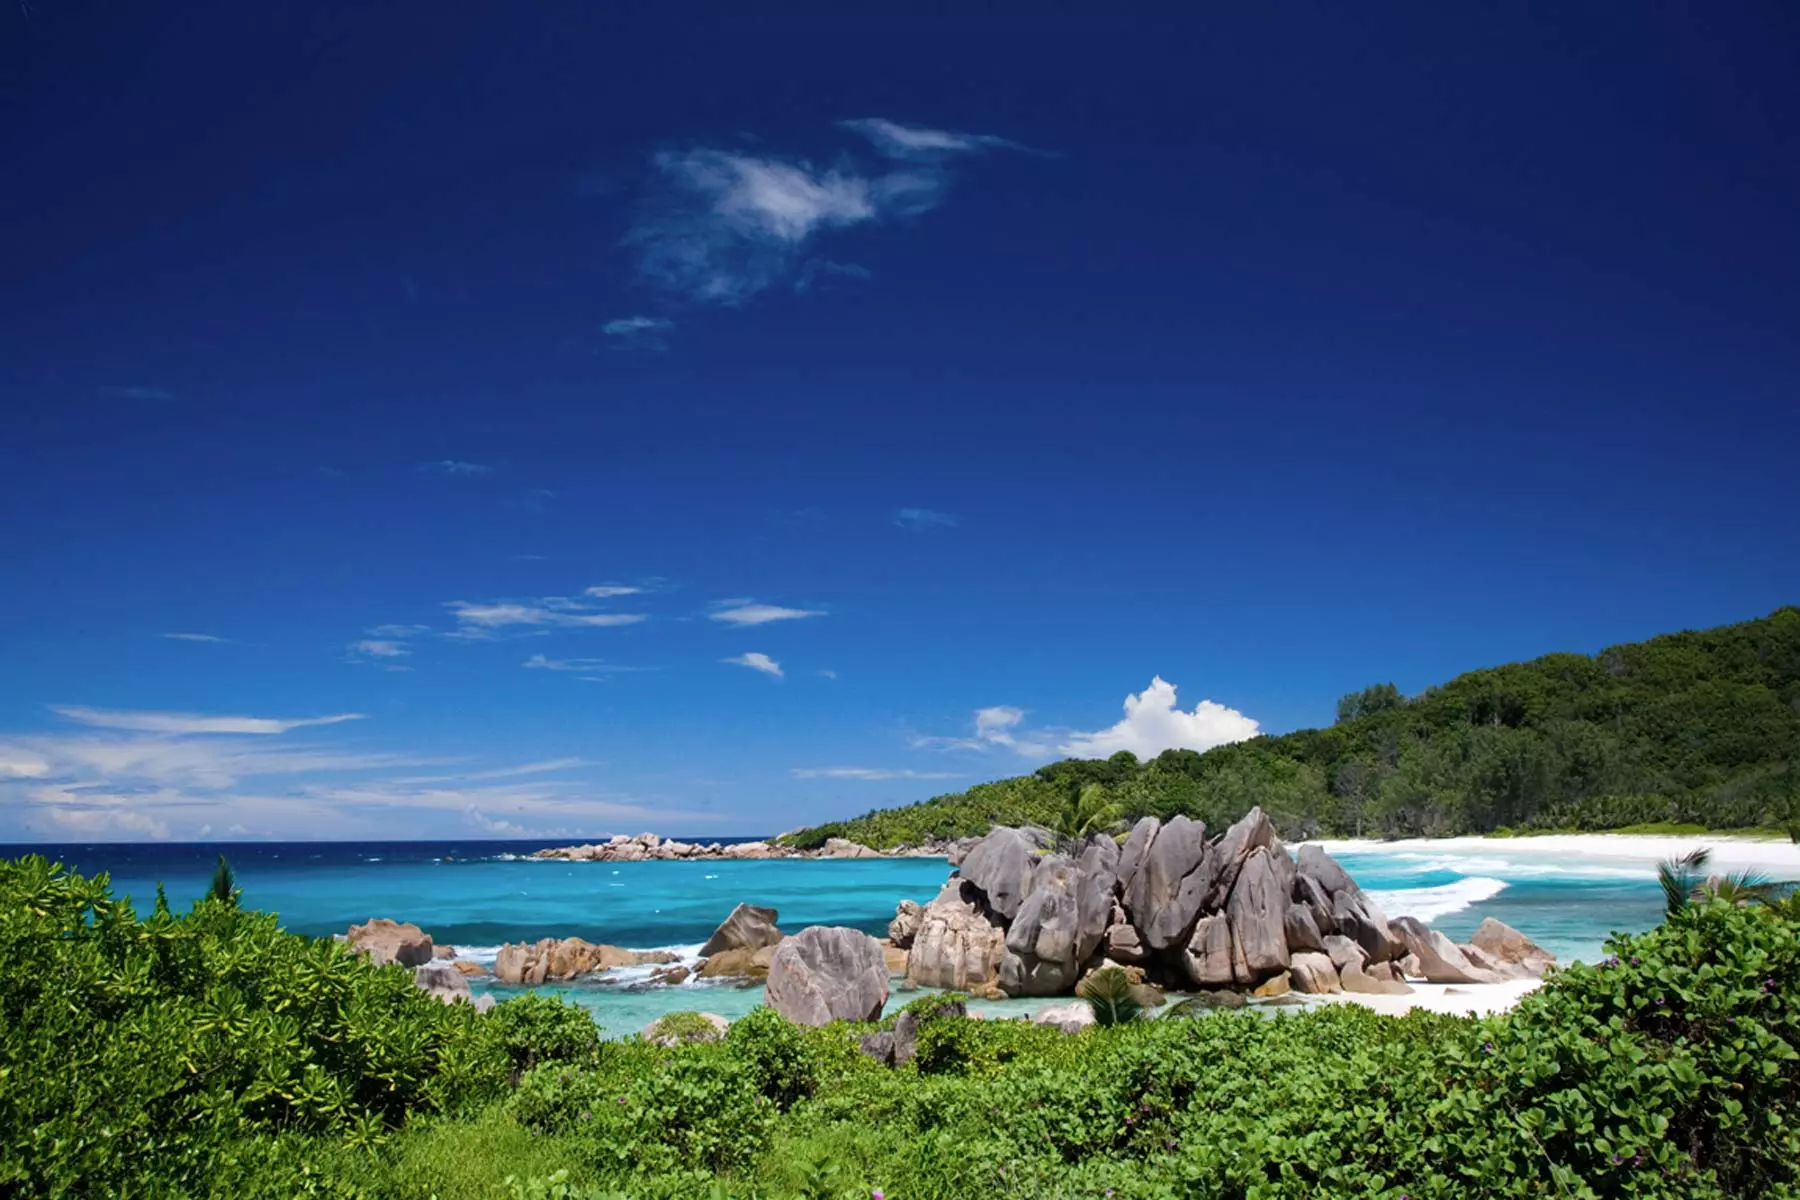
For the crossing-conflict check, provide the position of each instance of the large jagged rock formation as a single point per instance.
(827, 973)
(1234, 912)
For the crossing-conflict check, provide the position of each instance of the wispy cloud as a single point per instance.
(550, 612)
(186, 723)
(924, 518)
(193, 637)
(912, 143)
(868, 774)
(756, 662)
(137, 392)
(592, 666)
(158, 775)
(723, 225)
(643, 333)
(451, 466)
(827, 673)
(607, 591)
(379, 648)
(746, 612)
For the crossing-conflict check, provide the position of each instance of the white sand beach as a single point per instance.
(1778, 859)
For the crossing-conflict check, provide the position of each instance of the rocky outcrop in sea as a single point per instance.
(1025, 916)
(651, 847)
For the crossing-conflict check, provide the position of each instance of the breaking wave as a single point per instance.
(1430, 903)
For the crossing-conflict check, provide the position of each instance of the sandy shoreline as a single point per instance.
(1778, 859)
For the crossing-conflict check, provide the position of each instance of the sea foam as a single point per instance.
(1430, 903)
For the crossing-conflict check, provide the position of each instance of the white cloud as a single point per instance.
(725, 225)
(379, 648)
(22, 764)
(193, 637)
(649, 333)
(451, 466)
(156, 775)
(540, 662)
(756, 662)
(185, 723)
(868, 774)
(827, 673)
(551, 611)
(1154, 722)
(607, 591)
(744, 612)
(924, 518)
(398, 631)
(912, 142)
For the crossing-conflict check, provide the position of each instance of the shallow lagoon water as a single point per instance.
(478, 895)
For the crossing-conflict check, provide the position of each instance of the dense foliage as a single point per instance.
(1698, 727)
(209, 1054)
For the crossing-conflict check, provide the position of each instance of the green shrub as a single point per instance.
(775, 1056)
(536, 1028)
(134, 1050)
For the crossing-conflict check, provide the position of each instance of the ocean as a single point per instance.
(477, 895)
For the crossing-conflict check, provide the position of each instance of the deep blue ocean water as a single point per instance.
(477, 895)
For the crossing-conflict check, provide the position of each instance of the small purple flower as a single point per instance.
(1488, 1046)
(621, 1099)
(1616, 1160)
(1635, 960)
(877, 1194)
(587, 1116)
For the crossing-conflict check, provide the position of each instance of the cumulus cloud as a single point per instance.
(756, 662)
(924, 518)
(1154, 722)
(722, 226)
(184, 723)
(868, 774)
(745, 612)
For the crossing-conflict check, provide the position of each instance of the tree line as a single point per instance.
(1699, 727)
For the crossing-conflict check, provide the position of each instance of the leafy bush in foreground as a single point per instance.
(1671, 1070)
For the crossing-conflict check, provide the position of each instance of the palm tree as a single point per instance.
(1681, 878)
(224, 884)
(1746, 887)
(1108, 993)
(1089, 811)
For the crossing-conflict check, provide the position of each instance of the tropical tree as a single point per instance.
(1108, 993)
(1091, 810)
(224, 884)
(1681, 878)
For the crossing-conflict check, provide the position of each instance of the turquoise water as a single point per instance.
(478, 895)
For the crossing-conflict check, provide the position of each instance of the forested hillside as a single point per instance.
(1700, 727)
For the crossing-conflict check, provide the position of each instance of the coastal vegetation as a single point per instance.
(1695, 727)
(207, 1053)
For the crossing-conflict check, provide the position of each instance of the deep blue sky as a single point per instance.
(1030, 354)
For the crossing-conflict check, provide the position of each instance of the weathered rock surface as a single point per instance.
(747, 928)
(1313, 973)
(565, 959)
(1131, 857)
(1207, 958)
(1524, 958)
(905, 925)
(1276, 985)
(958, 944)
(844, 848)
(1000, 866)
(899, 1044)
(469, 968)
(383, 941)
(1257, 911)
(1301, 930)
(1357, 979)
(896, 959)
(1167, 890)
(1440, 959)
(741, 963)
(1250, 833)
(827, 973)
(1039, 959)
(443, 981)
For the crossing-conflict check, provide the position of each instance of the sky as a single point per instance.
(437, 421)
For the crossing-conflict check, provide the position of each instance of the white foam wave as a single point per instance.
(1507, 868)
(1430, 903)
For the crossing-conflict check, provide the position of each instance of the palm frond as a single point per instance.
(1108, 993)
(1681, 878)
